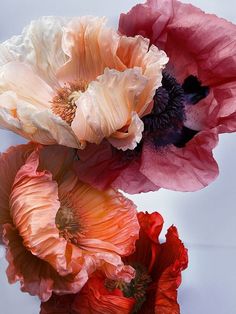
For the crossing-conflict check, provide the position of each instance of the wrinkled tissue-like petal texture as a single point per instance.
(196, 43)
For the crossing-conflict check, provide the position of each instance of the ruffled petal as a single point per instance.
(107, 104)
(147, 245)
(107, 220)
(91, 47)
(34, 205)
(172, 260)
(40, 126)
(26, 84)
(151, 224)
(128, 140)
(36, 276)
(103, 167)
(39, 46)
(96, 299)
(57, 159)
(189, 168)
(93, 298)
(10, 162)
(197, 44)
(137, 52)
(132, 181)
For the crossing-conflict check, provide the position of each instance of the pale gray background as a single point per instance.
(206, 220)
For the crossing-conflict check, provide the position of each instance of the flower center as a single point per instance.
(168, 110)
(67, 222)
(194, 90)
(136, 289)
(64, 102)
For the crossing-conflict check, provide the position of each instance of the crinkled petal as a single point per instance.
(132, 181)
(39, 46)
(151, 224)
(197, 44)
(57, 159)
(36, 276)
(189, 168)
(34, 205)
(147, 245)
(108, 220)
(106, 106)
(26, 84)
(93, 298)
(128, 140)
(25, 107)
(103, 167)
(96, 299)
(137, 52)
(10, 162)
(40, 126)
(172, 260)
(91, 47)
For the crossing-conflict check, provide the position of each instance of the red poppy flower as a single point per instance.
(153, 290)
(196, 102)
(58, 230)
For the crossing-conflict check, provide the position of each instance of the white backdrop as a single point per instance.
(206, 219)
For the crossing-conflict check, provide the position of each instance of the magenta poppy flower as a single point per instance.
(195, 103)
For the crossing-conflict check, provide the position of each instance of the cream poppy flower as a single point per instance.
(77, 81)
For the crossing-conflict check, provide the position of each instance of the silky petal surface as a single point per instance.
(189, 168)
(10, 162)
(34, 199)
(172, 260)
(91, 47)
(34, 204)
(93, 298)
(39, 46)
(108, 220)
(36, 276)
(98, 115)
(102, 167)
(197, 44)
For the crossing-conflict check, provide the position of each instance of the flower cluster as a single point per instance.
(137, 110)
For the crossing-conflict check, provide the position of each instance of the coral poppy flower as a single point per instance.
(57, 230)
(195, 103)
(153, 290)
(77, 81)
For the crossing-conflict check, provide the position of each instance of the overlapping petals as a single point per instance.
(77, 81)
(195, 103)
(62, 229)
(197, 44)
(154, 289)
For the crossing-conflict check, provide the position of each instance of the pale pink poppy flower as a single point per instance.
(57, 230)
(196, 102)
(76, 81)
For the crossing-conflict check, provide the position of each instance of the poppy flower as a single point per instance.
(195, 103)
(154, 288)
(57, 230)
(77, 81)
